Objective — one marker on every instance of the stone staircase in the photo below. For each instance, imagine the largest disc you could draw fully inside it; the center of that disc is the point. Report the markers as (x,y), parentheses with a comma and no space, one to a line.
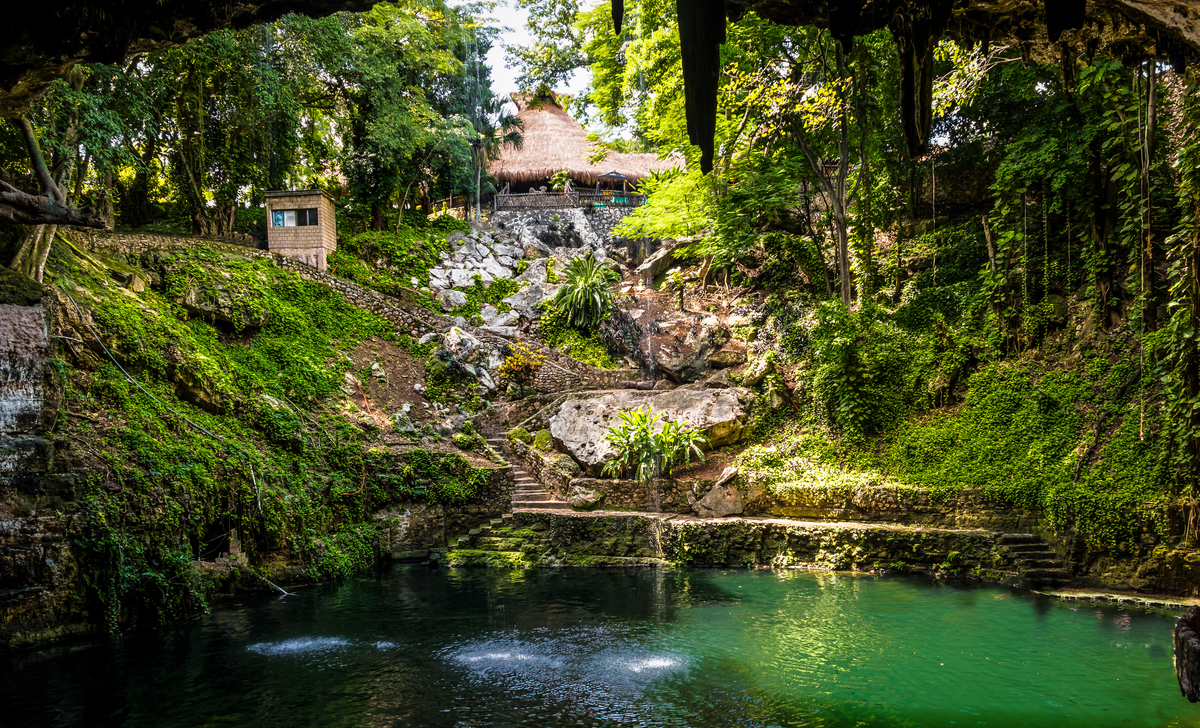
(1034,561)
(528,493)
(500,543)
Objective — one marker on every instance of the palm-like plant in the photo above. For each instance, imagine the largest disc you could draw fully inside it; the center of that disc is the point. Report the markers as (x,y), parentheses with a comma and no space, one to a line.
(646,453)
(495,129)
(585,297)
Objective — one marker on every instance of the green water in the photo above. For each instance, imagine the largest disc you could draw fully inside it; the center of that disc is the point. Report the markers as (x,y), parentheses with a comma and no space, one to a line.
(600,647)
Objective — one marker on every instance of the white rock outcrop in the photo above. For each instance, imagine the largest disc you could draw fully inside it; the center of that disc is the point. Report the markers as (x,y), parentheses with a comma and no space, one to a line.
(581,425)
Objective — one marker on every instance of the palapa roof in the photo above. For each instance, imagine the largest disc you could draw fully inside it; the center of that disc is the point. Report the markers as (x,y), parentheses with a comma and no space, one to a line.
(554,142)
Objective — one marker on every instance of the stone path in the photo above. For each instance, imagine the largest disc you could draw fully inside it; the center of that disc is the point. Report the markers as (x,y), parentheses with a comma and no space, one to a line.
(528,493)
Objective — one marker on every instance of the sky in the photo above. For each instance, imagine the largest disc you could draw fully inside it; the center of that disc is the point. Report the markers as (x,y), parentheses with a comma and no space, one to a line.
(507,15)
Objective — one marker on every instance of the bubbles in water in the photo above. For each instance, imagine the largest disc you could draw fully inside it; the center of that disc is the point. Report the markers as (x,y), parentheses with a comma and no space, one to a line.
(299,646)
(602,672)
(653,663)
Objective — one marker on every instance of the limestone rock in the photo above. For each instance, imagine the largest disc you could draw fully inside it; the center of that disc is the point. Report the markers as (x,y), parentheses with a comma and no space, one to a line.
(721,501)
(462,278)
(775,399)
(727,475)
(535,273)
(686,359)
(757,370)
(726,358)
(655,265)
(583,499)
(525,299)
(451,300)
(580,426)
(720,380)
(461,345)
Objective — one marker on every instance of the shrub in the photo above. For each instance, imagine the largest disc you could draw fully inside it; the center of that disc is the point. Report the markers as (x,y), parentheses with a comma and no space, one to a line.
(580,346)
(585,296)
(521,366)
(648,453)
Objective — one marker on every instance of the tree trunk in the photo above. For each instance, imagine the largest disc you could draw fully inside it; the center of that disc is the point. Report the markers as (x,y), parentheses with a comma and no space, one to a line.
(839,210)
(377,216)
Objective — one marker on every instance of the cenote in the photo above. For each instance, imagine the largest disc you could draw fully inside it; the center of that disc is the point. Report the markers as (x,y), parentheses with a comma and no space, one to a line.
(568,647)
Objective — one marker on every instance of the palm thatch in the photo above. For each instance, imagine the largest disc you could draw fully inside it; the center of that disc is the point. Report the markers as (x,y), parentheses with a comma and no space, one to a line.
(553,142)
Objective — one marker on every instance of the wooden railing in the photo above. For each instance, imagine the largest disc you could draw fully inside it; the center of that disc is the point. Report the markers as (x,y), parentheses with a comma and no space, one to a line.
(569,197)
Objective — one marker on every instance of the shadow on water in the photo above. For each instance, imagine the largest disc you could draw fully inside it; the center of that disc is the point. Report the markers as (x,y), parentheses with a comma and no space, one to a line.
(618,647)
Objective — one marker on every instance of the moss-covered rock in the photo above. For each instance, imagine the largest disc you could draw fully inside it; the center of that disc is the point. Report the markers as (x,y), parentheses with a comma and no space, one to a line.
(520,434)
(18,289)
(542,441)
(463,441)
(562,466)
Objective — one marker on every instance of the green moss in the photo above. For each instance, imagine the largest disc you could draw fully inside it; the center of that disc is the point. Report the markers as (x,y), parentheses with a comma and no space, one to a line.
(280,466)
(542,441)
(520,434)
(18,289)
(579,345)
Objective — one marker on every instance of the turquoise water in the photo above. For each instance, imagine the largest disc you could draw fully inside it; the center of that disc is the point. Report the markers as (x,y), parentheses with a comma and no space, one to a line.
(576,647)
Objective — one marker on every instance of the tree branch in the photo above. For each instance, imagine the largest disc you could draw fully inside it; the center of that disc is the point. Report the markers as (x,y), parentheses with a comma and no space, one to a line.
(26,209)
(38,162)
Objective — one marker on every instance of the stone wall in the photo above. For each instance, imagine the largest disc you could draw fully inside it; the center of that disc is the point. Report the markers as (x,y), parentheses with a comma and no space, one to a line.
(969,508)
(663,495)
(748,542)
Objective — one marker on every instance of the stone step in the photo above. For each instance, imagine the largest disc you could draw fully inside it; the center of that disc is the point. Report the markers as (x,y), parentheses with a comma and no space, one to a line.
(531,497)
(1051,563)
(1025,547)
(497,543)
(1014,538)
(1044,574)
(543,505)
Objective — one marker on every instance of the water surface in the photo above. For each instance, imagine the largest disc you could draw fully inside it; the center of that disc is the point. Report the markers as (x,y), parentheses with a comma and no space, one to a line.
(576,647)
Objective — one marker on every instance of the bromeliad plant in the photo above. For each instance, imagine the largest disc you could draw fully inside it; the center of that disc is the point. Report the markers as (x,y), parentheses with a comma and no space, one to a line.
(647,453)
(585,296)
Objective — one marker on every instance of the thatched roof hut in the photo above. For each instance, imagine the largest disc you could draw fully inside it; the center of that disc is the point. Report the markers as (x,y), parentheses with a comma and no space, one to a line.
(555,142)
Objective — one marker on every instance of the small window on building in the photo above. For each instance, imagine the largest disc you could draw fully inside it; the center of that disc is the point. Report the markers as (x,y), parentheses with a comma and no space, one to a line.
(292,218)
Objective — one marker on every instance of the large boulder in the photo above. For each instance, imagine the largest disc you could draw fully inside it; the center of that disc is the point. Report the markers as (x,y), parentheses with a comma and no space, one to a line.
(581,426)
(684,356)
(656,264)
(450,299)
(721,501)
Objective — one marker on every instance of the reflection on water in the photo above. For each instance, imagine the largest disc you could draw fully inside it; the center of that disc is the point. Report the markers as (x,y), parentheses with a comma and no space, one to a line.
(618,648)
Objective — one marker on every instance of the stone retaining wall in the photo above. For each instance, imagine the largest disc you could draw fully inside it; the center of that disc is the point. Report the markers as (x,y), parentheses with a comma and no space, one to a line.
(969,508)
(748,542)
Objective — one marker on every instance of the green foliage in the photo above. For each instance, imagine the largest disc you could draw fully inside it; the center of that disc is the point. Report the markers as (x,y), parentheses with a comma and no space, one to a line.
(283,469)
(585,296)
(386,261)
(562,337)
(349,550)
(648,451)
(1017,439)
